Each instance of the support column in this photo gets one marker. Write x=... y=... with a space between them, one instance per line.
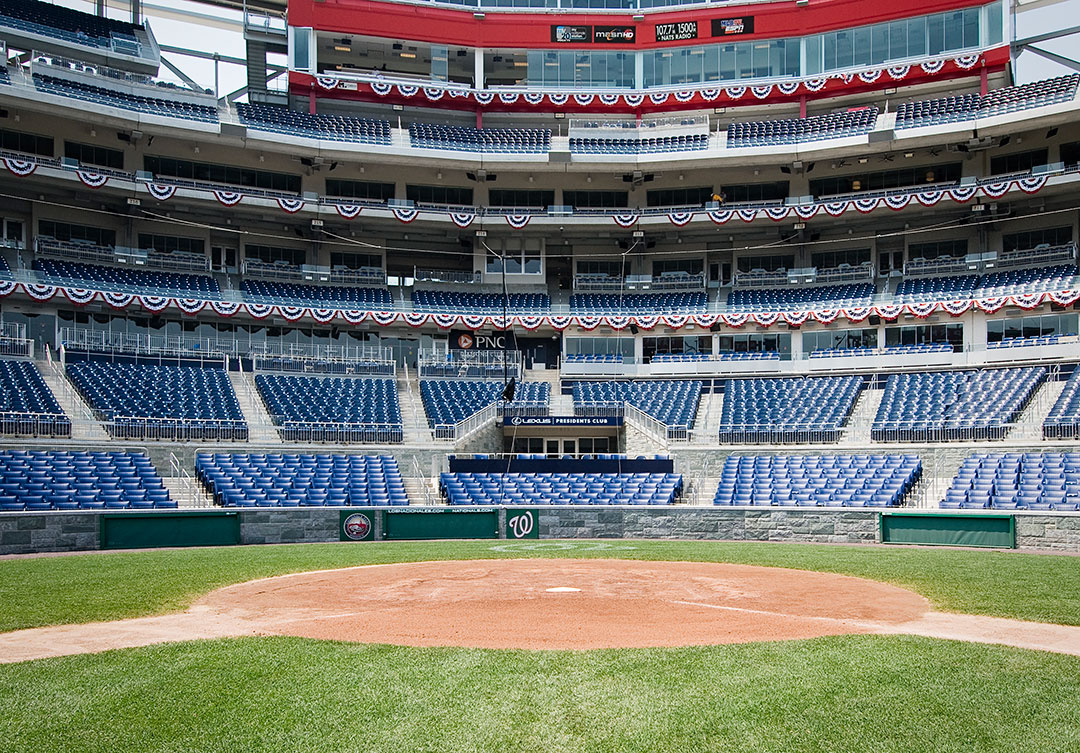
x=311 y=101
x=984 y=82
x=478 y=68
x=802 y=106
x=479 y=118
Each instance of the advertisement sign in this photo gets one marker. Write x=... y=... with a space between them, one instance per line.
x=677 y=32
x=614 y=34
x=564 y=421
x=462 y=339
x=730 y=27
x=565 y=34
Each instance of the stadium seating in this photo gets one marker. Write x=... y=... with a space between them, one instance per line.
x=669 y=401
x=1024 y=342
x=593 y=358
x=997 y=102
x=952 y=405
x=315 y=126
x=318 y=296
x=1064 y=419
x=120 y=278
x=332 y=409
x=34 y=480
x=440 y=301
x=260 y=480
x=698 y=357
x=1016 y=481
x=813 y=409
x=1011 y=282
x=448 y=401
x=817 y=480
x=503 y=140
x=638 y=303
x=782 y=299
x=560 y=488
x=160 y=402
x=71 y=26
x=27 y=406
x=835 y=125
x=694 y=142
x=96 y=95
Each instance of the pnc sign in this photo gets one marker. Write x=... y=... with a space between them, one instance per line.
x=465 y=340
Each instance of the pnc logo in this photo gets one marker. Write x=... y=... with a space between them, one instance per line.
x=465 y=341
x=357 y=526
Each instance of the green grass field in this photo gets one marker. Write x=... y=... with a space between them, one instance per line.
x=852 y=693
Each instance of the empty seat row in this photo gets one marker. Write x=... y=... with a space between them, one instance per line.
x=780 y=299
x=440 y=301
x=835 y=125
x=1012 y=481
x=1063 y=422
x=97 y=95
x=817 y=480
x=332 y=409
x=638 y=303
x=511 y=140
x=27 y=405
x=1010 y=282
x=560 y=488
x=122 y=278
x=40 y=480
x=685 y=143
x=673 y=402
x=313 y=125
x=997 y=102
x=448 y=401
x=812 y=409
x=307 y=480
x=319 y=296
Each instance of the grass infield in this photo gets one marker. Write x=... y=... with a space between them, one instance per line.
x=108 y=586
x=849 y=694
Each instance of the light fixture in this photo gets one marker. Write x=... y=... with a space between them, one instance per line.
x=521 y=63
x=639 y=16
x=929 y=176
x=909 y=155
x=409 y=55
x=478 y=16
x=863 y=160
x=856 y=185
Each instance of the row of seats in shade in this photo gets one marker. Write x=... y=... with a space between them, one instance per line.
x=313 y=125
x=142 y=281
x=337 y=409
x=764 y=355
x=638 y=303
x=892 y=350
x=932 y=406
x=448 y=401
x=27 y=405
x=1010 y=481
x=672 y=402
x=810 y=481
x=62 y=23
x=834 y=125
x=440 y=301
x=269 y=480
x=779 y=299
x=98 y=95
x=40 y=480
x=997 y=102
x=461 y=138
x=685 y=143
x=328 y=296
x=560 y=488
x=1011 y=282
x=1063 y=422
x=812 y=409
x=143 y=400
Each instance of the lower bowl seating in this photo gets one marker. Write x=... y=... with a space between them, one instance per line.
x=560 y=488
x=35 y=481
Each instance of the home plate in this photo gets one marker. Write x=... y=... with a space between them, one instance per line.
x=562 y=590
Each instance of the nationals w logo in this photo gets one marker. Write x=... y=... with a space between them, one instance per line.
x=520 y=525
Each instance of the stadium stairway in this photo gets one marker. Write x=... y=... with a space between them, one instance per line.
x=415 y=429
x=559 y=404
x=857 y=429
x=707 y=427
x=1029 y=425
x=84 y=425
x=261 y=429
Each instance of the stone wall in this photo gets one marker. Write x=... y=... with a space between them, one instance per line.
x=21 y=533
x=803 y=525
x=1054 y=532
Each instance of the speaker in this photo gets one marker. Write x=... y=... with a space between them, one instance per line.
x=874 y=321
x=633 y=329
x=716 y=327
x=509 y=390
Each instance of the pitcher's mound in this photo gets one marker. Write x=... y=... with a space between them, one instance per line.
x=564 y=604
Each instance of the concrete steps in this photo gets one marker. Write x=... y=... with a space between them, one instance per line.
x=187 y=494
x=1029 y=424
x=561 y=405
x=707 y=426
x=857 y=430
x=83 y=423
x=413 y=419
x=421 y=491
x=260 y=428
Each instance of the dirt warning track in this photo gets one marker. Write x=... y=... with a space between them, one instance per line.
x=546 y=604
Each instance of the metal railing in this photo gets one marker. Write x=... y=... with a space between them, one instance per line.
x=522 y=408
x=656 y=430
x=78 y=338
x=17 y=423
x=176 y=429
x=193 y=490
x=470 y=364
x=445 y=275
x=465 y=427
x=13 y=340
x=338 y=432
x=323 y=366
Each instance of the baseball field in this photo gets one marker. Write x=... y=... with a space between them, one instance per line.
x=862 y=684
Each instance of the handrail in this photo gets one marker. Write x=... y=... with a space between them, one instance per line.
x=656 y=430
x=465 y=427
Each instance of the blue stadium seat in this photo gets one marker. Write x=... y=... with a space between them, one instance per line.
x=27 y=405
x=332 y=409
x=560 y=488
x=812 y=409
x=1016 y=481
x=40 y=480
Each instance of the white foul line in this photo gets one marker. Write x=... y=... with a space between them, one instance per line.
x=830 y=620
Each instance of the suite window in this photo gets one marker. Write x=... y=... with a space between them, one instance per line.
x=596 y=199
x=62 y=231
x=926 y=334
x=451 y=195
x=166 y=244
x=955 y=249
x=771 y=263
x=16 y=141
x=520 y=198
x=685 y=266
x=600 y=346
x=853 y=257
x=359 y=189
x=274 y=254
x=1018 y=163
x=215 y=173
x=679 y=197
x=88 y=154
x=522 y=257
x=753 y=342
x=844 y=339
x=1027 y=239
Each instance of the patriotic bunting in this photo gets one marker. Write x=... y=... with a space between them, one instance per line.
x=517 y=221
x=405 y=215
x=228 y=198
x=678 y=219
x=20 y=167
x=161 y=192
x=625 y=220
x=92 y=180
x=291 y=206
x=348 y=211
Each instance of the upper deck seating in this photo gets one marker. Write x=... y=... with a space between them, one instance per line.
x=313 y=125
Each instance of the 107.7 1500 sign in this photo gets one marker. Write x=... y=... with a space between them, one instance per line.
x=676 y=32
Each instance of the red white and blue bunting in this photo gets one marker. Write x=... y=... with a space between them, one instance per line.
x=292 y=206
x=348 y=211
x=405 y=215
x=161 y=192
x=517 y=221
x=92 y=180
x=855 y=314
x=462 y=219
x=625 y=220
x=678 y=219
x=709 y=95
x=20 y=167
x=228 y=198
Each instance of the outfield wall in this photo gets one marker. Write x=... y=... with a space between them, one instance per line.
x=25 y=533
